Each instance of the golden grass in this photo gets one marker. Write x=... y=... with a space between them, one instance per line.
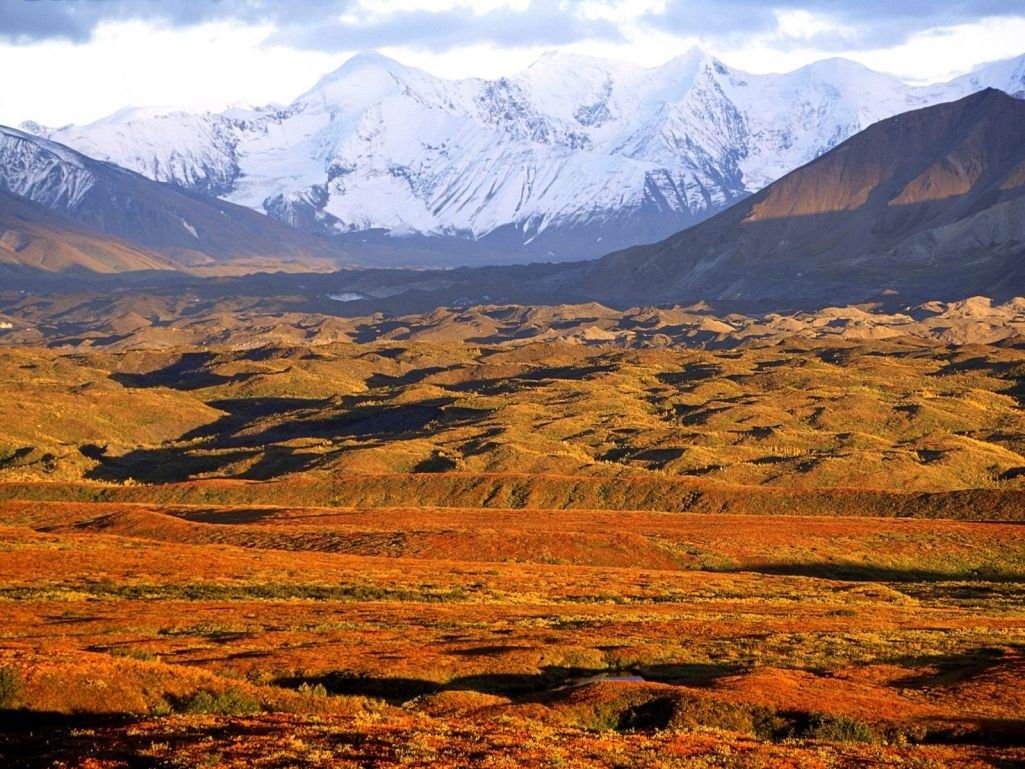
x=855 y=417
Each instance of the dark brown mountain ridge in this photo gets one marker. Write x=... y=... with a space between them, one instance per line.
x=34 y=239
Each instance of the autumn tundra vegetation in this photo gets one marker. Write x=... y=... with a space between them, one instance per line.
x=448 y=542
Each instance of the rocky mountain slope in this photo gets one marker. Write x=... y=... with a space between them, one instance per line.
x=36 y=239
x=572 y=158
x=928 y=204
x=60 y=209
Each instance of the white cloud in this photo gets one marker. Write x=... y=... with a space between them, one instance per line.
x=942 y=53
x=214 y=64
x=798 y=24
x=385 y=7
x=621 y=11
x=926 y=57
x=135 y=63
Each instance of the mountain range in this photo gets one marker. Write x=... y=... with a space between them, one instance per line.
x=572 y=158
x=926 y=204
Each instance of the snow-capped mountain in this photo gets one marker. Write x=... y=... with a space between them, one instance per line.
x=51 y=195
x=572 y=158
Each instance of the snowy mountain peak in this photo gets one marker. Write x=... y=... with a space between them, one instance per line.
x=42 y=171
x=363 y=80
x=551 y=62
x=690 y=61
x=363 y=65
x=134 y=114
x=845 y=73
x=1007 y=76
x=40 y=144
x=34 y=128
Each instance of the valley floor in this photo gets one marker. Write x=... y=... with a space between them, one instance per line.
x=505 y=551
x=200 y=635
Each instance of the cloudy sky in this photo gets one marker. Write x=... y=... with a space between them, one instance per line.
x=78 y=60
